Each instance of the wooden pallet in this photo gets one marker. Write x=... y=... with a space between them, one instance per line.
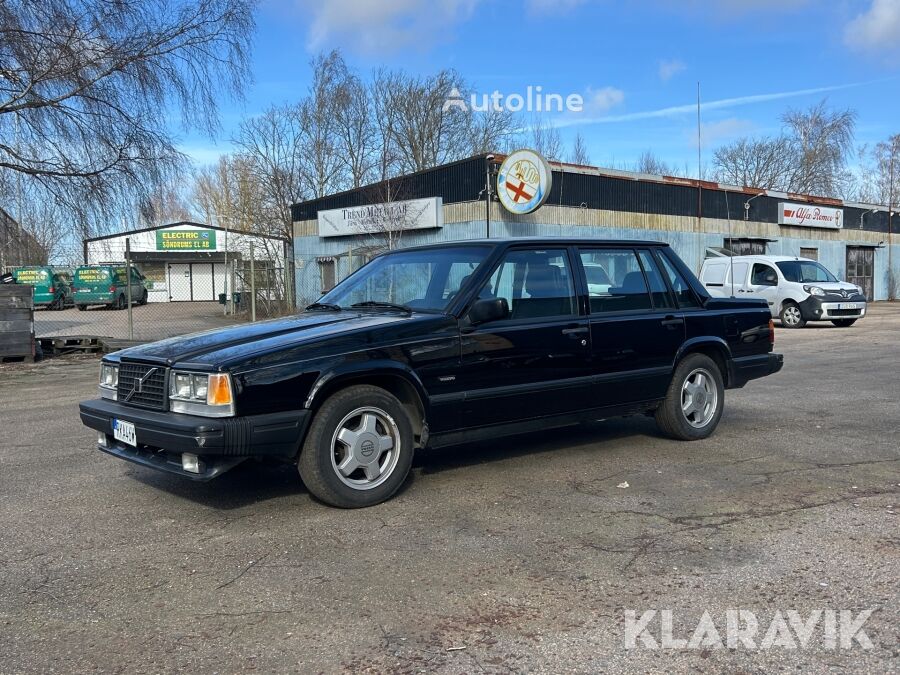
x=71 y=343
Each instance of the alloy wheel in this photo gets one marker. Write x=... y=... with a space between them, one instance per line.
x=699 y=397
x=365 y=448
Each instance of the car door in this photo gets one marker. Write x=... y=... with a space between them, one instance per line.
x=636 y=328
x=763 y=283
x=535 y=361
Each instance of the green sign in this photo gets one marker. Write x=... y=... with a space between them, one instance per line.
x=185 y=240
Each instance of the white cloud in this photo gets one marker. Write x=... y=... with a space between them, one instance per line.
x=691 y=108
x=601 y=100
x=552 y=6
x=373 y=26
x=722 y=130
x=876 y=29
x=668 y=69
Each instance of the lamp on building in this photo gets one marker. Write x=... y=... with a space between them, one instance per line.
x=864 y=214
x=747 y=205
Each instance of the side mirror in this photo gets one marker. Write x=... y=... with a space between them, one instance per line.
x=489 y=309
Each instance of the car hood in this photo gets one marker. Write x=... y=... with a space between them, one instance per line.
x=224 y=344
x=833 y=285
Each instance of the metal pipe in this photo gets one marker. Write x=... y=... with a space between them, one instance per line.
x=128 y=286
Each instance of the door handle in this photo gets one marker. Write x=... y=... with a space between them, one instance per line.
x=581 y=330
x=672 y=321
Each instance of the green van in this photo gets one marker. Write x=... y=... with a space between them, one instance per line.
x=108 y=285
x=52 y=287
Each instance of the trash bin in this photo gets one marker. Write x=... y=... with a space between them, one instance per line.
x=237 y=298
x=222 y=298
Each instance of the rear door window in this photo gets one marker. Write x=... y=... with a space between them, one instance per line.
x=683 y=293
x=659 y=292
x=627 y=288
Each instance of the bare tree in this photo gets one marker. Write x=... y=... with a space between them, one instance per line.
x=650 y=163
x=545 y=138
x=86 y=87
x=823 y=141
x=271 y=152
x=579 y=154
x=879 y=166
x=357 y=131
x=320 y=161
x=766 y=163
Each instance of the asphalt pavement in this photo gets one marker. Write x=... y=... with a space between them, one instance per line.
x=529 y=554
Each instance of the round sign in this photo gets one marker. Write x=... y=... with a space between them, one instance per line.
x=523 y=182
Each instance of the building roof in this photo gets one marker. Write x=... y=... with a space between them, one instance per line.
x=598 y=188
x=180 y=223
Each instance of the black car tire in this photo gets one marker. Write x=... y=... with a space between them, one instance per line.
x=81 y=308
x=843 y=323
x=670 y=415
x=794 y=315
x=319 y=456
x=143 y=300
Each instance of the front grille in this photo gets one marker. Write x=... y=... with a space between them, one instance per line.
x=142 y=385
x=843 y=312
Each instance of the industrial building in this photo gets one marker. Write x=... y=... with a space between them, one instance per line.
x=336 y=234
x=191 y=262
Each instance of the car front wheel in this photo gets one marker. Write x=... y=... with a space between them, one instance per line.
x=694 y=401
x=791 y=317
x=359 y=448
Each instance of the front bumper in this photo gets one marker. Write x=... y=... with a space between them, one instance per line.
x=824 y=308
x=220 y=443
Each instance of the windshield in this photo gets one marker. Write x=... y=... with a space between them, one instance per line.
x=804 y=271
x=425 y=280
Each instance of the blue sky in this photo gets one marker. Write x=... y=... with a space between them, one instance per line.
x=635 y=62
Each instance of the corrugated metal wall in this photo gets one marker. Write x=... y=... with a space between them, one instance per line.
x=463 y=181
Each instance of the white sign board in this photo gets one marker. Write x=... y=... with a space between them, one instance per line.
x=810 y=215
x=411 y=214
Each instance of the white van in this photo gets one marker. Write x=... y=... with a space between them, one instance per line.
x=797 y=289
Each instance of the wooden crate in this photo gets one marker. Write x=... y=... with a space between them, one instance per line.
x=16 y=322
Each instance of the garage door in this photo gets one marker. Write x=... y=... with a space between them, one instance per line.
x=202 y=281
x=179 y=282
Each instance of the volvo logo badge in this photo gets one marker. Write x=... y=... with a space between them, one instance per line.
x=367 y=448
x=138 y=386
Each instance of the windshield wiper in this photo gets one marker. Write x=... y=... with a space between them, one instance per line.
x=324 y=305
x=378 y=303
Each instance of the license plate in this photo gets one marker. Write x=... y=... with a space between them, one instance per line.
x=848 y=305
x=124 y=431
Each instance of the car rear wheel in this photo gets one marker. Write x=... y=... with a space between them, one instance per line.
x=694 y=401
x=143 y=300
x=81 y=308
x=843 y=323
x=791 y=317
x=359 y=448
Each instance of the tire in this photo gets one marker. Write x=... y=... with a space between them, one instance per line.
x=143 y=300
x=791 y=317
x=81 y=308
x=371 y=421
x=673 y=417
x=843 y=323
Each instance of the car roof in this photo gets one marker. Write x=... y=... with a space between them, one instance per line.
x=549 y=241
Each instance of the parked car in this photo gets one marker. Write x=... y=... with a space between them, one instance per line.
x=108 y=285
x=436 y=346
x=52 y=287
x=797 y=289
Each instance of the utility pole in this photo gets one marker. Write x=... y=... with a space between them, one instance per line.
x=129 y=282
x=699 y=233
x=891 y=279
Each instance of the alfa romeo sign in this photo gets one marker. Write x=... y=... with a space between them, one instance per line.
x=524 y=181
x=810 y=215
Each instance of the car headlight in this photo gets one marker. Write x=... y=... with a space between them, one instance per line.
x=860 y=290
x=207 y=394
x=109 y=381
x=814 y=290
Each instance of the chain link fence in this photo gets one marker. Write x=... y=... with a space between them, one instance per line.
x=140 y=299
